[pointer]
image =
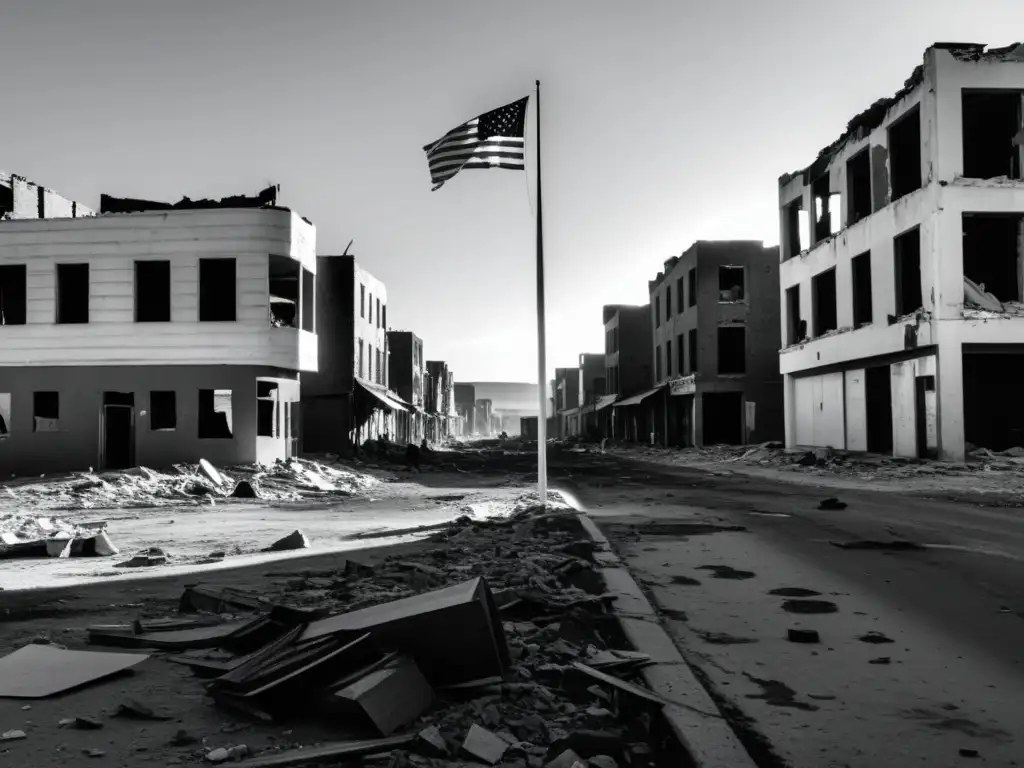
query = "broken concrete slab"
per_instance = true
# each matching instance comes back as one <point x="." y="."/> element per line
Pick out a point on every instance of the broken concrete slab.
<point x="207" y="469"/>
<point x="390" y="697"/>
<point x="37" y="671"/>
<point x="336" y="751"/>
<point x="294" y="540"/>
<point x="481" y="744"/>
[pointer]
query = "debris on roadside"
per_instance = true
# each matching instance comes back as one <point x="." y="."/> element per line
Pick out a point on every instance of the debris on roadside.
<point x="808" y="636"/>
<point x="24" y="534"/>
<point x="37" y="671"/>
<point x="832" y="504"/>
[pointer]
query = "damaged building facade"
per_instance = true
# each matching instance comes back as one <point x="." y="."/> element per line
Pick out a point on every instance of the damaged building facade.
<point x="439" y="401"/>
<point x="24" y="199"/>
<point x="901" y="274"/>
<point x="715" y="332"/>
<point x="406" y="379"/>
<point x="347" y="400"/>
<point x="628" y="374"/>
<point x="148" y="338"/>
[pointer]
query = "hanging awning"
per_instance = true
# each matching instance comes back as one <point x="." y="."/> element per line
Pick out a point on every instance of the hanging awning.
<point x="380" y="395"/>
<point x="604" y="401"/>
<point x="637" y="399"/>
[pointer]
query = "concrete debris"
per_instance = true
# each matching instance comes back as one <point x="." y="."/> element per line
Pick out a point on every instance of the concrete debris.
<point x="832" y="503"/>
<point x="483" y="745"/>
<point x="12" y="735"/>
<point x="294" y="540"/>
<point x="25" y="534"/>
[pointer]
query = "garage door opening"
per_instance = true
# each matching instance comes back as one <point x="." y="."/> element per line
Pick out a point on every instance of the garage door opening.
<point x="993" y="408"/>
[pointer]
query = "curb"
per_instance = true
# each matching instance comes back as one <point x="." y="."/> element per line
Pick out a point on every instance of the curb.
<point x="709" y="741"/>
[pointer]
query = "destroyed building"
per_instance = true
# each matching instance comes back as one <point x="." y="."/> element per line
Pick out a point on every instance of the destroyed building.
<point x="465" y="407"/>
<point x="438" y="401"/>
<point x="593" y="395"/>
<point x="567" y="402"/>
<point x="715" y="332"/>
<point x="24" y="199"/>
<point x="347" y="400"/>
<point x="628" y="374"/>
<point x="406" y="375"/>
<point x="150" y="337"/>
<point x="901" y="274"/>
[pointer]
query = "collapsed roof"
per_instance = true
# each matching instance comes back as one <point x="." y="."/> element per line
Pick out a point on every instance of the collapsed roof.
<point x="111" y="204"/>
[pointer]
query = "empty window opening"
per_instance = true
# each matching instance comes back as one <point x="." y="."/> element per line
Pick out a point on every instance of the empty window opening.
<point x="826" y="209"/>
<point x="668" y="302"/>
<point x="370" y="317"/>
<point x="668" y="359"/>
<point x="362" y="301"/>
<point x="858" y="187"/>
<point x="384" y="317"/>
<point x="215" y="413"/>
<point x="679" y="354"/>
<point x="861" y="273"/>
<point x="732" y="349"/>
<point x="72" y="293"/>
<point x="692" y="287"/>
<point x="657" y="363"/>
<point x="992" y="254"/>
<point x="308" y="300"/>
<point x="796" y="327"/>
<point x="45" y="411"/>
<point x="152" y="291"/>
<point x="692" y="343"/>
<point x="823" y="296"/>
<point x="6" y="199"/>
<point x="5" y="415"/>
<point x="991" y="121"/>
<point x="993" y="408"/>
<point x="217" y="291"/>
<point x="13" y="294"/>
<point x="41" y="202"/>
<point x="378" y="313"/>
<point x="283" y="274"/>
<point x="795" y="228"/>
<point x="267" y="409"/>
<point x="362" y="366"/>
<point x="657" y="311"/>
<point x="905" y="154"/>
<point x="163" y="411"/>
<point x="907" y="249"/>
<point x="731" y="284"/>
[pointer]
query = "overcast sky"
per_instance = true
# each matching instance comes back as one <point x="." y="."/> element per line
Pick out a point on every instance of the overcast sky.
<point x="663" y="122"/>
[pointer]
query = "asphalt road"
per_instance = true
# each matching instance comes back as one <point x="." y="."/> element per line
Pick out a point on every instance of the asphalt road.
<point x="921" y="651"/>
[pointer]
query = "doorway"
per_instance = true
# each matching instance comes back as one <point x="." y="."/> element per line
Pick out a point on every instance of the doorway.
<point x="723" y="418"/>
<point x="683" y="410"/>
<point x="878" y="394"/>
<point x="118" y="430"/>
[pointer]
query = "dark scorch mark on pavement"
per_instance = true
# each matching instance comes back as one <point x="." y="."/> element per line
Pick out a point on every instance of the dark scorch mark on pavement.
<point x="941" y="722"/>
<point x="793" y="592"/>
<point x="680" y="529"/>
<point x="727" y="572"/>
<point x="875" y="638"/>
<point x="723" y="638"/>
<point x="778" y="694"/>
<point x="677" y="579"/>
<point x="898" y="545"/>
<point x="809" y="606"/>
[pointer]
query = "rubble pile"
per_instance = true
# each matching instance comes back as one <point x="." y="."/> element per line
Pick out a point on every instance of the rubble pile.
<point x="32" y="535"/>
<point x="492" y="646"/>
<point x="291" y="480"/>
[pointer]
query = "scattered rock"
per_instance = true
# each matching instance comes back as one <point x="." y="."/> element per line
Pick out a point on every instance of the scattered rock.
<point x="237" y="752"/>
<point x="133" y="710"/>
<point x="12" y="735"/>
<point x="793" y="592"/>
<point x="809" y="606"/>
<point x="804" y="636"/>
<point x="93" y="752"/>
<point x="484" y="745"/>
<point x="832" y="503"/>
<point x="431" y="739"/>
<point x="969" y="753"/>
<point x="294" y="540"/>
<point x="218" y="755"/>
<point x="881" y="660"/>
<point x="87" y="724"/>
<point x="875" y="638"/>
<point x="182" y="739"/>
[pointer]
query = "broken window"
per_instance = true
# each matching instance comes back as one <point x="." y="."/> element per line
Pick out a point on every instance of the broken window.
<point x="215" y="413"/>
<point x="692" y="287"/>
<point x="860" y="266"/>
<point x="657" y="311"/>
<point x="823" y="297"/>
<point x="284" y="275"/>
<point x="362" y="301"/>
<point x="796" y="228"/>
<point x="163" y="411"/>
<point x="45" y="411"/>
<point x="858" y="187"/>
<point x="905" y="154"/>
<point x="823" y="201"/>
<point x="730" y="284"/>
<point x="308" y="301"/>
<point x="679" y="354"/>
<point x="991" y="126"/>
<point x="693" y="350"/>
<point x="796" y="326"/>
<point x="5" y="415"/>
<point x="732" y="349"/>
<point x="13" y="291"/>
<point x="152" y="291"/>
<point x="6" y="199"/>
<point x="907" y="248"/>
<point x="72" y="293"/>
<point x="267" y="409"/>
<point x="217" y="292"/>
<point x="993" y="246"/>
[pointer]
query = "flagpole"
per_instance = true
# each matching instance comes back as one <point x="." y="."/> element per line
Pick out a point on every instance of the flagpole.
<point x="542" y="421"/>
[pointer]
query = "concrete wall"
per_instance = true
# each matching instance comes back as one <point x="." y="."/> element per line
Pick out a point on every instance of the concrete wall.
<point x="76" y="444"/>
<point x="633" y="358"/>
<point x="26" y="200"/>
<point x="111" y="244"/>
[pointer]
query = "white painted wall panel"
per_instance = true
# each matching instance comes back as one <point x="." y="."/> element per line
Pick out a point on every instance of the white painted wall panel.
<point x="829" y="420"/>
<point x="856" y="411"/>
<point x="904" y="424"/>
<point x="110" y="244"/>
<point x="804" y="400"/>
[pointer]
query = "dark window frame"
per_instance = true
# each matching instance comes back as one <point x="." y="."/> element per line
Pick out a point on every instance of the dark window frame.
<point x="150" y="311"/>
<point x="69" y="272"/>
<point x="167" y="408"/>
<point x="210" y="307"/>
